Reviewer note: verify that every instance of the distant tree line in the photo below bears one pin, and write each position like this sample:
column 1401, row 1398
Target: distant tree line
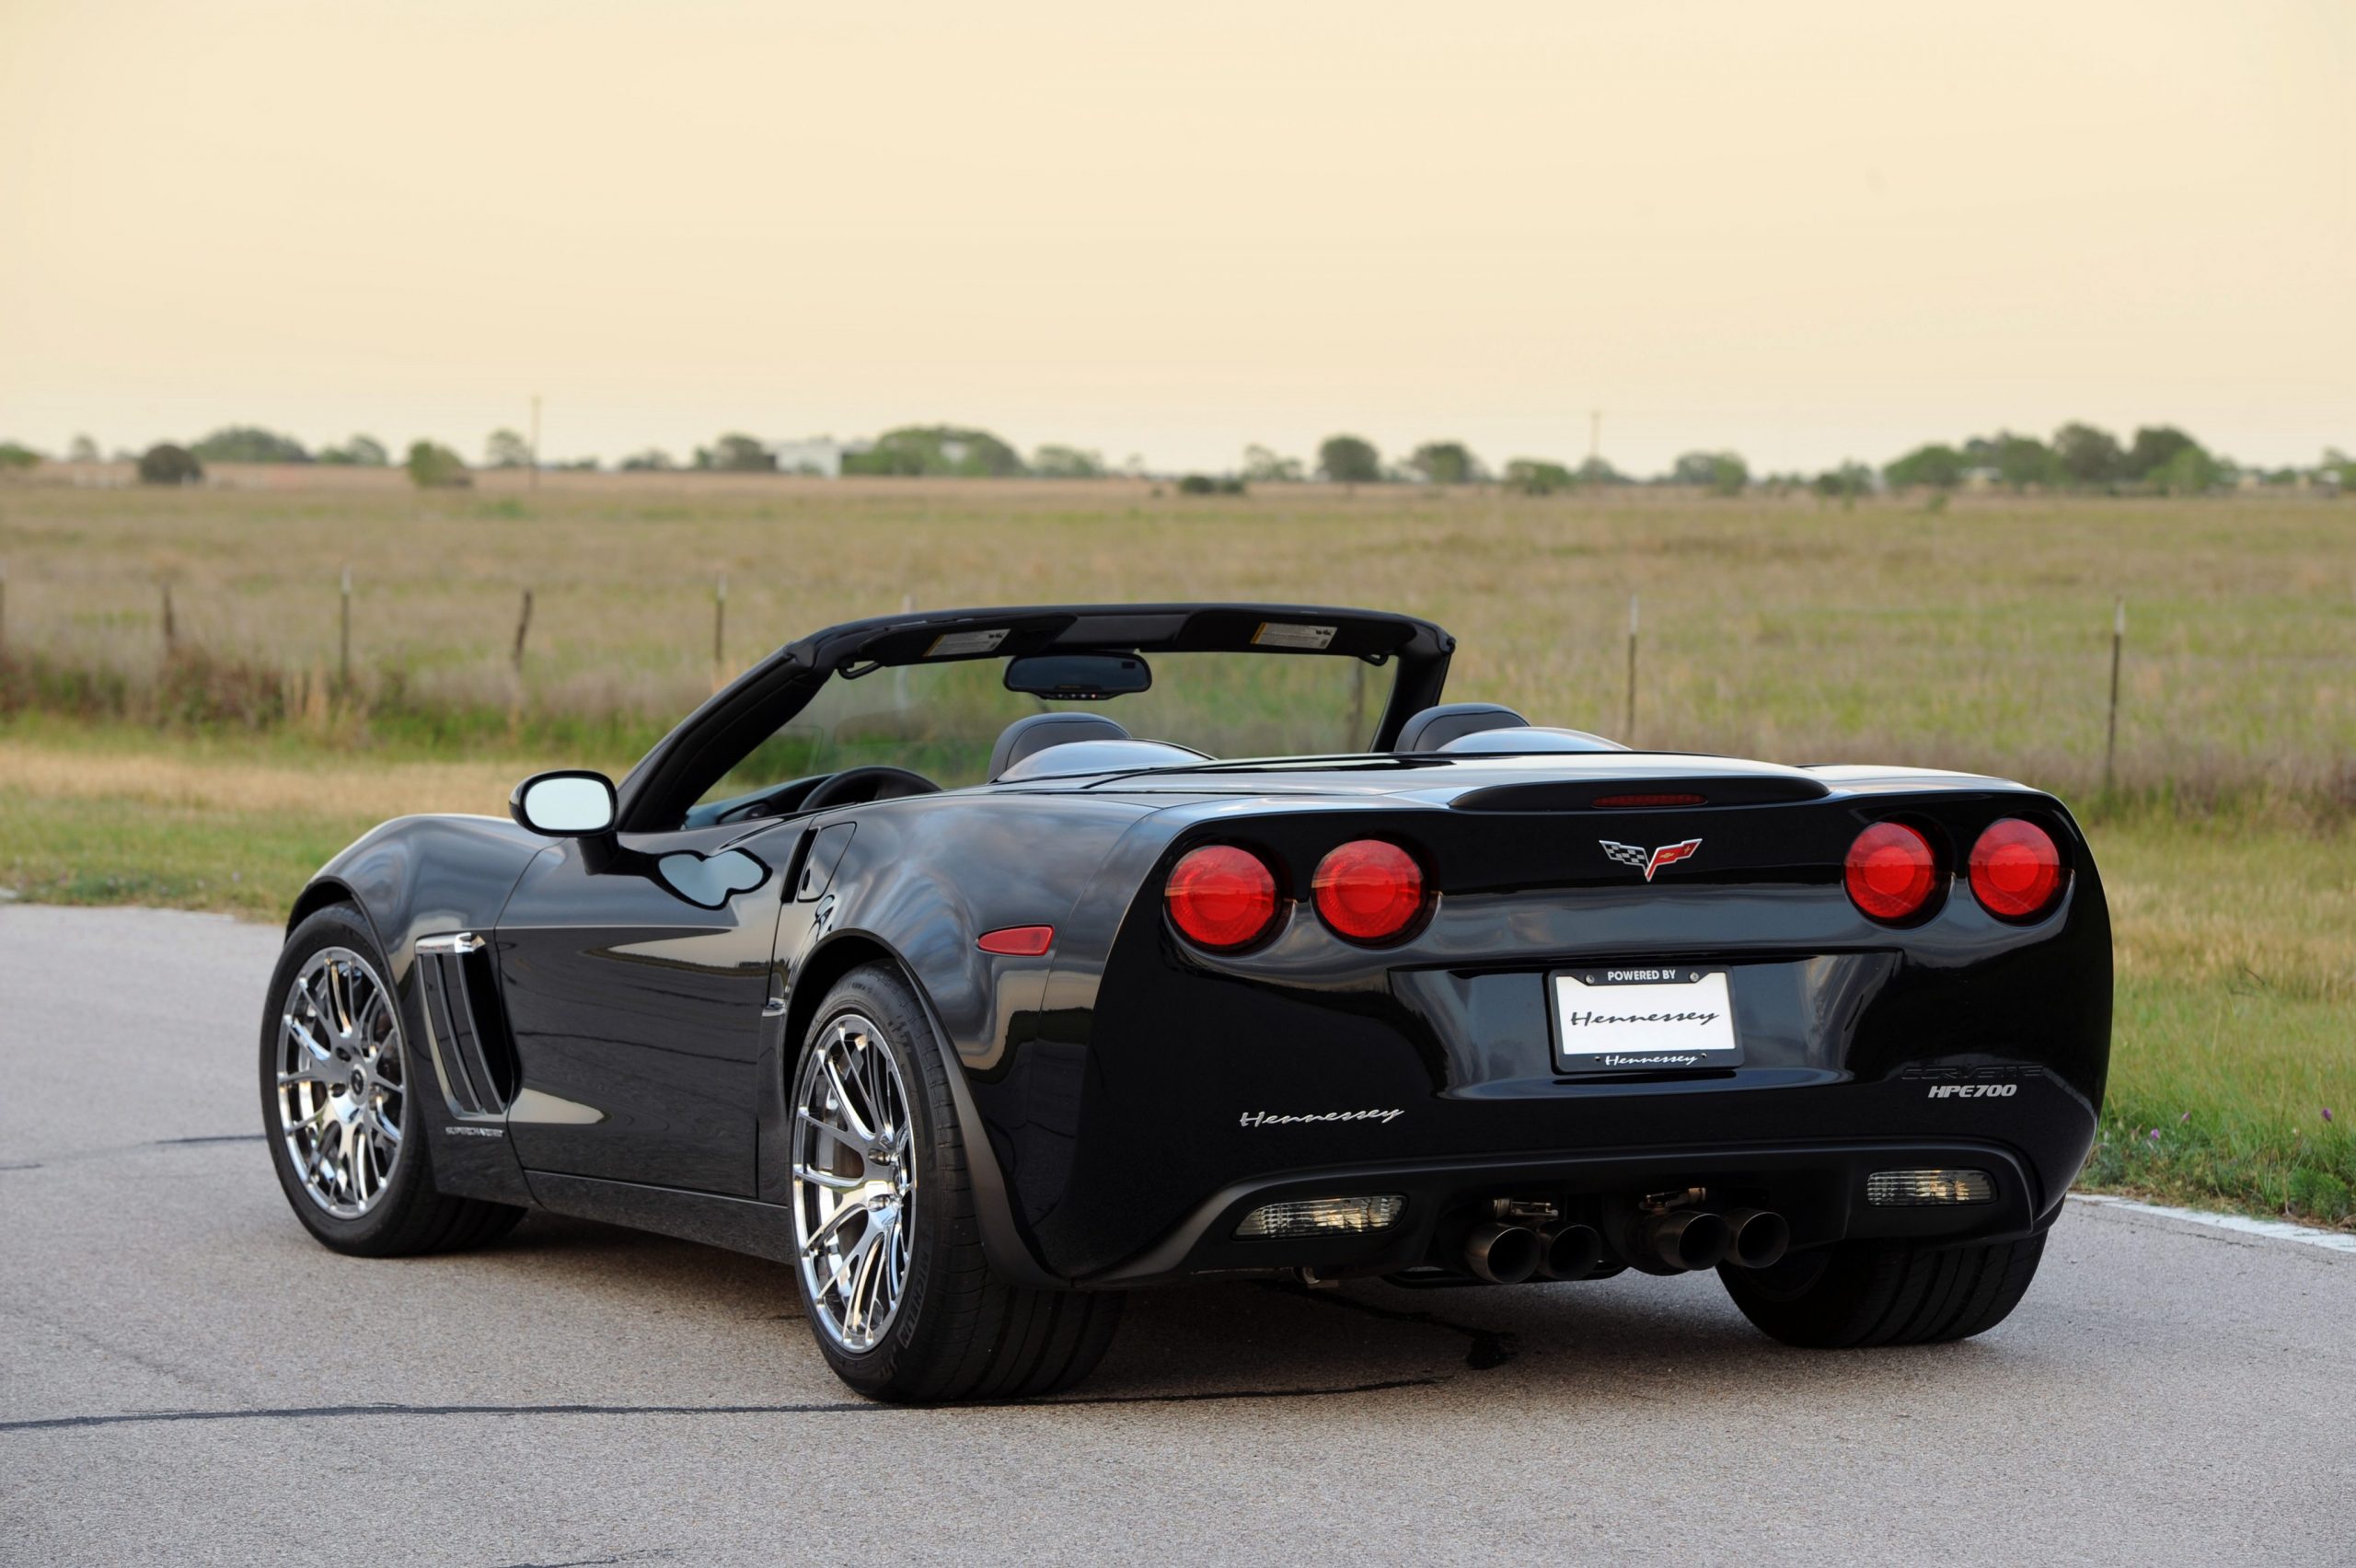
column 2159, row 459
column 2080, row 457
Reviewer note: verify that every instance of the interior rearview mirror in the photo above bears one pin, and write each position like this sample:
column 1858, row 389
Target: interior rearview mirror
column 574, row 803
column 1079, row 677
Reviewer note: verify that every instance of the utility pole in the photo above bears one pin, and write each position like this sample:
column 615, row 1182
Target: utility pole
column 1594, row 434
column 534, row 481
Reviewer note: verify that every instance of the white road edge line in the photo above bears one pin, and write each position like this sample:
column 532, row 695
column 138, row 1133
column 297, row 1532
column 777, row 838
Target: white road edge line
column 2273, row 1229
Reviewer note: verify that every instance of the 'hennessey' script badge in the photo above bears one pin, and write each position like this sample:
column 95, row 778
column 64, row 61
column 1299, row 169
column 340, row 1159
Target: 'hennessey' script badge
column 1590, row 1019
column 1649, row 861
column 1279, row 1119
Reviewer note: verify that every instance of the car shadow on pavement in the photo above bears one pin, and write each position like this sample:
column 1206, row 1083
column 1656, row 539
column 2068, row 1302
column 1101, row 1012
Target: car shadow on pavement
column 1635, row 1338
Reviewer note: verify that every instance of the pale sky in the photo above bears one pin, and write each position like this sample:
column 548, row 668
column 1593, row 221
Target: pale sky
column 1803, row 231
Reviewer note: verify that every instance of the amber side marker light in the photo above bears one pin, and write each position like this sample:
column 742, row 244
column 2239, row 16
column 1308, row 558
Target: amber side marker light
column 1018, row 941
column 1891, row 871
column 1221, row 898
column 2016, row 870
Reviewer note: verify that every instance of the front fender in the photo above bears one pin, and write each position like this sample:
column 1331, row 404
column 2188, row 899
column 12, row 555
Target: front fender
column 413, row 877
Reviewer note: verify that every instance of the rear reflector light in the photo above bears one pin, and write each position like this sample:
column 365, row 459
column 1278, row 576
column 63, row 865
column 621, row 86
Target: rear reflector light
column 1919, row 1189
column 2016, row 870
column 1323, row 1216
column 1369, row 891
column 1023, row 942
column 1890, row 871
column 1221, row 898
column 1639, row 803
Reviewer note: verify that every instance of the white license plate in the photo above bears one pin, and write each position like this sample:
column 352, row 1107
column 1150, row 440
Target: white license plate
column 1640, row 1018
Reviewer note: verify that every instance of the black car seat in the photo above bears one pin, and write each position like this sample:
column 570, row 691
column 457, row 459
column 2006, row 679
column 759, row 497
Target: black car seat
column 1434, row 727
column 1030, row 735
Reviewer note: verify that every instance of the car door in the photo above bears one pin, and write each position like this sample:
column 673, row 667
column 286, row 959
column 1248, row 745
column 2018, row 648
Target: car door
column 636, row 971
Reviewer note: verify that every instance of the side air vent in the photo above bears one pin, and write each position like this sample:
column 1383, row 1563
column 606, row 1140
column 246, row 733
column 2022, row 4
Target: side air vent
column 473, row 1055
column 1641, row 794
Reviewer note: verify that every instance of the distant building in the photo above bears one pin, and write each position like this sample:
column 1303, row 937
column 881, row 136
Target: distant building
column 817, row 455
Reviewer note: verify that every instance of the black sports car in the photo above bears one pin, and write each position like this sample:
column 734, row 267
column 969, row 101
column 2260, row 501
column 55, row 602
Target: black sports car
column 908, row 959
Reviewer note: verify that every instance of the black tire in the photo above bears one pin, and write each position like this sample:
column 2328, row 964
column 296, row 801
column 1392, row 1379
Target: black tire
column 1868, row 1293
column 408, row 1216
column 959, row 1332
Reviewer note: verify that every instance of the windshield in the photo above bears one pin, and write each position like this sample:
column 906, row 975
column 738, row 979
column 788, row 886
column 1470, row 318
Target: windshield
column 941, row 720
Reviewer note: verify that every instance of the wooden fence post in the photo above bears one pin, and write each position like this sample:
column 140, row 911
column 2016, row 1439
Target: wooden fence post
column 171, row 630
column 720, row 631
column 1628, row 730
column 522, row 627
column 343, row 636
column 2118, row 643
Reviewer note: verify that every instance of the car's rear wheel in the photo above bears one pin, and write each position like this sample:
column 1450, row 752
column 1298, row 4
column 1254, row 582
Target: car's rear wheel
column 903, row 1304
column 346, row 1131
column 1863, row 1293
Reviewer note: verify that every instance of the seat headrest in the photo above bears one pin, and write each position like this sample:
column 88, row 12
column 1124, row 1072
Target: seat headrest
column 1527, row 740
column 1030, row 735
column 1434, row 727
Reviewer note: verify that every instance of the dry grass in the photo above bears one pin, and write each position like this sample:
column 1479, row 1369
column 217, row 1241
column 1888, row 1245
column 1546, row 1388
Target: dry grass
column 368, row 792
column 1976, row 635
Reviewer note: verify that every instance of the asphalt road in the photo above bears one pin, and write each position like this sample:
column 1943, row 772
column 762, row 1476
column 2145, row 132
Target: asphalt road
column 185, row 1377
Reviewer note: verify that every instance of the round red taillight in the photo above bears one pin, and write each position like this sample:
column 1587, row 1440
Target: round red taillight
column 1369, row 891
column 1221, row 896
column 1891, row 870
column 2016, row 870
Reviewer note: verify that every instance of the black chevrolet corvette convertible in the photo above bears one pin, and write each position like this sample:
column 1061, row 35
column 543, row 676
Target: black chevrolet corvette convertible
column 956, row 960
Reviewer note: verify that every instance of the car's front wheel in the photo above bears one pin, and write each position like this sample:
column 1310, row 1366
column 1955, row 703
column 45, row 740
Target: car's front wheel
column 900, row 1299
column 342, row 1103
column 1863, row 1293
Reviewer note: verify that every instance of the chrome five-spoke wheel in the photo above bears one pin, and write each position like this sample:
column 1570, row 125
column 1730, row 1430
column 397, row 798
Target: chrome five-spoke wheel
column 340, row 1081
column 854, row 1182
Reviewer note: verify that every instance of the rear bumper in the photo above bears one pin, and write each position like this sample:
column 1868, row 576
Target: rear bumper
column 1819, row 1187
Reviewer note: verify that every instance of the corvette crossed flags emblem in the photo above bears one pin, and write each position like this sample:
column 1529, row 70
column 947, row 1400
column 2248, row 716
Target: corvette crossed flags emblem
column 1649, row 861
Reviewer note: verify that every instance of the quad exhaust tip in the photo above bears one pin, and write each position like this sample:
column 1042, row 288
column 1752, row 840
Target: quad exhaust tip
column 1502, row 1254
column 1681, row 1240
column 1756, row 1238
column 1688, row 1239
column 1569, row 1252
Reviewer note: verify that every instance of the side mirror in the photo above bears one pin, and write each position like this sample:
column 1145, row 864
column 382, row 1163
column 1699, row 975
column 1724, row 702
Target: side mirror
column 574, row 803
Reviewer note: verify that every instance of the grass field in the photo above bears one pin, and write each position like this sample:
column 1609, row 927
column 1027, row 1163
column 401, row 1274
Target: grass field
column 1976, row 635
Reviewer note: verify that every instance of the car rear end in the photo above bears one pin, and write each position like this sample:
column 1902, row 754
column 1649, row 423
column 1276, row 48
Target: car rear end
column 1507, row 1025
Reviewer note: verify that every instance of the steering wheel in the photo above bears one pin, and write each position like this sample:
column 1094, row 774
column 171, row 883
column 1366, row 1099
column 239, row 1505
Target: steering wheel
column 876, row 782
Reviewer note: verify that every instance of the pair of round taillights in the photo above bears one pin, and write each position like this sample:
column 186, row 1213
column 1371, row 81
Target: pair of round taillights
column 1224, row 897
column 2015, row 871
